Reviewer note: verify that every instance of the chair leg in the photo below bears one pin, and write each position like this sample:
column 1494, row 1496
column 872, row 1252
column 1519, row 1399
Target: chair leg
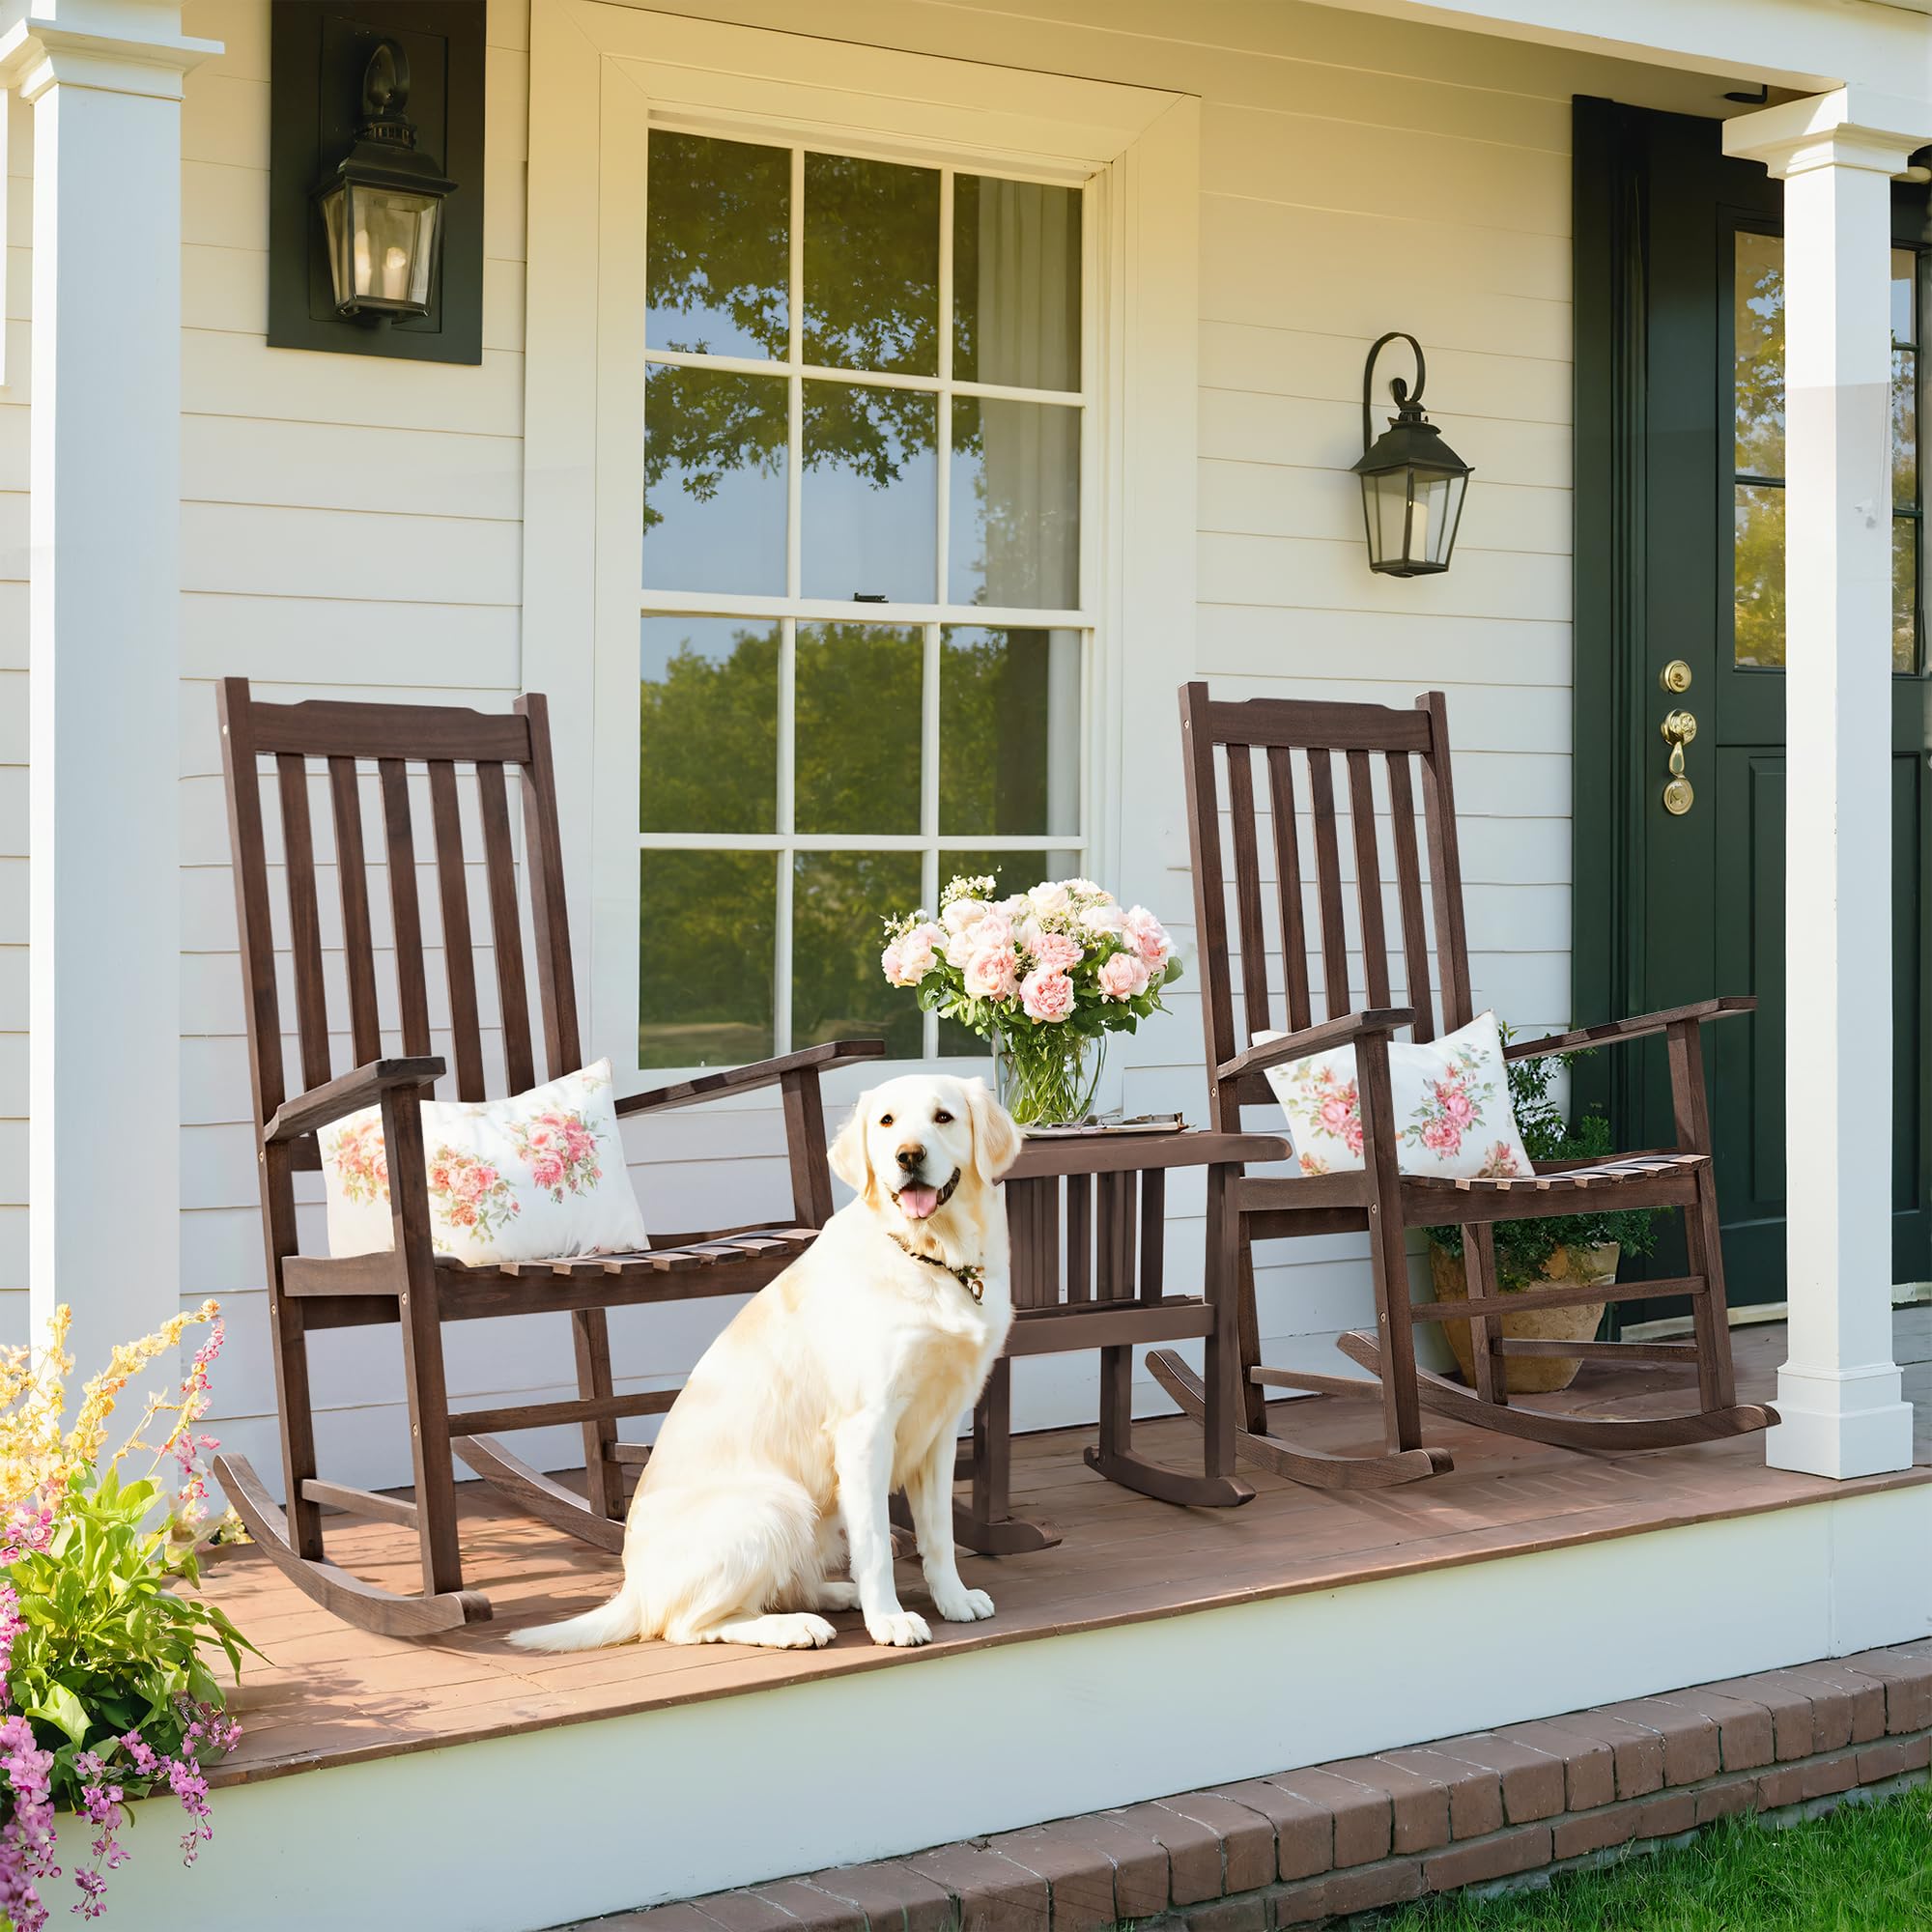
column 1248, row 1334
column 420, row 1314
column 1704, row 1241
column 298, row 1420
column 590, row 1334
column 1388, row 1251
column 1479, row 1275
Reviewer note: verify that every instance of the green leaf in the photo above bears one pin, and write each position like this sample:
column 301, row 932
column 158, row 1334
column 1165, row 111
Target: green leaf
column 59, row 1705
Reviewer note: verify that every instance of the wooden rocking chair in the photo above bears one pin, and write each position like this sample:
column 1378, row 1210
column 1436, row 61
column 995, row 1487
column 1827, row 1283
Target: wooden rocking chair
column 1233, row 736
column 413, row 1286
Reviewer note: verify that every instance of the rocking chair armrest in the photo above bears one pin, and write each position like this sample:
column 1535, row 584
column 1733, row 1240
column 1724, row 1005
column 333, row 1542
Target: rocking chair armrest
column 1341, row 1030
column 758, row 1074
column 1642, row 1027
column 363, row 1087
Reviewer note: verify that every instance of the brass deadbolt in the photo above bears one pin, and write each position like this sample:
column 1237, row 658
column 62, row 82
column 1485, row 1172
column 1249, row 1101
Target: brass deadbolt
column 1675, row 676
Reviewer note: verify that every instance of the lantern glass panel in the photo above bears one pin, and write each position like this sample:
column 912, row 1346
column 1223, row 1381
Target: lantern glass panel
column 1439, row 501
column 1385, row 498
column 392, row 245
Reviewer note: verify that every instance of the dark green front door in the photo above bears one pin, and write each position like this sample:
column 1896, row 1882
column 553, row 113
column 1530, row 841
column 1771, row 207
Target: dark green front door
column 1680, row 562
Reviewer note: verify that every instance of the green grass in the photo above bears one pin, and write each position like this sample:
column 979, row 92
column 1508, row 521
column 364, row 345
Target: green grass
column 1863, row 1866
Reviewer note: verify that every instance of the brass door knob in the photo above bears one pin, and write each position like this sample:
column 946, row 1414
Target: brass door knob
column 1678, row 729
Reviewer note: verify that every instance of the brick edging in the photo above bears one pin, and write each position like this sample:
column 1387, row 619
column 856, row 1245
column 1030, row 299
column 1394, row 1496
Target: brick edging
column 1301, row 1847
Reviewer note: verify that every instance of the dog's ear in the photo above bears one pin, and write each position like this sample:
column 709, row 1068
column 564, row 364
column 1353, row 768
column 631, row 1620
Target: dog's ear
column 849, row 1157
column 996, row 1141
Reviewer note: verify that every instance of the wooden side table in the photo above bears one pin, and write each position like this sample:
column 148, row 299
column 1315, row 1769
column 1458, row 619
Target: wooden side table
column 1087, row 1217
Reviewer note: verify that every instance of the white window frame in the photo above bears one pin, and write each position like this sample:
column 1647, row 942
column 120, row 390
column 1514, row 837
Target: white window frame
column 602, row 76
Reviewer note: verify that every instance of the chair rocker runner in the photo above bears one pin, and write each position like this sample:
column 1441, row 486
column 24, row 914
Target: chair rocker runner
column 383, row 749
column 1233, row 739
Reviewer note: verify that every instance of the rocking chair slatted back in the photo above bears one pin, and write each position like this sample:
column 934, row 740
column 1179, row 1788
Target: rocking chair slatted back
column 453, row 750
column 1391, row 914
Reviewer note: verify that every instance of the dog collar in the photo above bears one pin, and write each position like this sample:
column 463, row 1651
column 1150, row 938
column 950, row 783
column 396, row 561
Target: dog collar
column 972, row 1279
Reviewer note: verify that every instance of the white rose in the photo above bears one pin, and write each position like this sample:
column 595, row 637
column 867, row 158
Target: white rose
column 964, row 913
column 960, row 947
column 1049, row 899
column 1106, row 918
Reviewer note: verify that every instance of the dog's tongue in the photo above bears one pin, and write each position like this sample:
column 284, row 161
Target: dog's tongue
column 918, row 1200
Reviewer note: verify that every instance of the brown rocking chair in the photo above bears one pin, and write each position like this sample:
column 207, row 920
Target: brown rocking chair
column 413, row 1286
column 1233, row 736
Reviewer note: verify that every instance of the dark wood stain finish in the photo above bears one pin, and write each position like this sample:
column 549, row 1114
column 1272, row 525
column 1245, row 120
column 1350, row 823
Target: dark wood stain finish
column 411, row 1287
column 1379, row 1199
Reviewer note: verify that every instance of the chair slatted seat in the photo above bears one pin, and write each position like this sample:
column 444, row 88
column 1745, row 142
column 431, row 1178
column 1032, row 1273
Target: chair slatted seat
column 384, row 763
column 1304, row 761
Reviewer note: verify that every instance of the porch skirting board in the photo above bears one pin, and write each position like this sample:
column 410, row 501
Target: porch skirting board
column 1306, row 1847
column 545, row 1826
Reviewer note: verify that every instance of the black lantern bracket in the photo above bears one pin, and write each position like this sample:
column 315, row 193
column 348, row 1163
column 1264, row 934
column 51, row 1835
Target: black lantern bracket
column 1407, row 404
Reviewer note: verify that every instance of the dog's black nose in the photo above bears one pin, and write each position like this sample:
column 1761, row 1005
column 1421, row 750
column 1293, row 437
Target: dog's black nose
column 911, row 1157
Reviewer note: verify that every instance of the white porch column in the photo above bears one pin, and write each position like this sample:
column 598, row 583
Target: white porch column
column 1838, row 1393
column 104, row 80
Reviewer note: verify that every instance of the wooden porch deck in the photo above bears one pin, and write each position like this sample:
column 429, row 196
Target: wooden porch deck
column 330, row 1695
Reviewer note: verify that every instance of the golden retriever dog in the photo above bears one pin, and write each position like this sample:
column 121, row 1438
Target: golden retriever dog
column 840, row 1383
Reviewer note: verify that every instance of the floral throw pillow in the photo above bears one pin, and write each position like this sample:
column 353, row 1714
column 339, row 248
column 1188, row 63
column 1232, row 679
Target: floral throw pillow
column 1452, row 1107
column 538, row 1177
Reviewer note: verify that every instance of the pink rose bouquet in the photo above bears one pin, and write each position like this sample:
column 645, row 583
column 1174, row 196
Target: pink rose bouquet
column 1043, row 974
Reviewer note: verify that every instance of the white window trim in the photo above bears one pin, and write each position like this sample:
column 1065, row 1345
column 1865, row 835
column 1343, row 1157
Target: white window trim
column 599, row 75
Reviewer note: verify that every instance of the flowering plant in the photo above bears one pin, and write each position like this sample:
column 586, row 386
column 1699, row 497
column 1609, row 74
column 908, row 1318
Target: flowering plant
column 104, row 1693
column 1042, row 973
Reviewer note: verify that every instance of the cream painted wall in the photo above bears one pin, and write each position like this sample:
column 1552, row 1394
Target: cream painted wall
column 1357, row 175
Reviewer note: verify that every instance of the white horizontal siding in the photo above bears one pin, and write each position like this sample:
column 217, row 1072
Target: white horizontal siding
column 350, row 528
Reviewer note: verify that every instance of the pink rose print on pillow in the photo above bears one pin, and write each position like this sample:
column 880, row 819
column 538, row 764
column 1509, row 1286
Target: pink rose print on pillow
column 561, row 1150
column 469, row 1194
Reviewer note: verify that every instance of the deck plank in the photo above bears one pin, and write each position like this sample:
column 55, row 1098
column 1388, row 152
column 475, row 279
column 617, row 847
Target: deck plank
column 328, row 1693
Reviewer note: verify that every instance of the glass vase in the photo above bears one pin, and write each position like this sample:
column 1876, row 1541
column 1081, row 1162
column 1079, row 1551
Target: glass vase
column 1047, row 1076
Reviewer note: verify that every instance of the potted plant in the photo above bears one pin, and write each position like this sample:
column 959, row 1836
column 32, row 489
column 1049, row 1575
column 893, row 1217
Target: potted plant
column 1555, row 1248
column 1043, row 975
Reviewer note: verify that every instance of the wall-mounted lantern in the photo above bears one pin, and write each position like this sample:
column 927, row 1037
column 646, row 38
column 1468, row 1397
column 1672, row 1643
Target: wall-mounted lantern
column 1412, row 482
column 375, row 178
column 382, row 204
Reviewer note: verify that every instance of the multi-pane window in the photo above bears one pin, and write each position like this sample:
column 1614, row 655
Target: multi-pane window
column 863, row 663
column 1758, row 466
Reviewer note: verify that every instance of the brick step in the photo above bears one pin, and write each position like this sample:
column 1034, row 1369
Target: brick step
column 1303, row 1846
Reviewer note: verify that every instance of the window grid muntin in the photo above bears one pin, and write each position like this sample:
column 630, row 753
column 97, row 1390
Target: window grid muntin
column 793, row 609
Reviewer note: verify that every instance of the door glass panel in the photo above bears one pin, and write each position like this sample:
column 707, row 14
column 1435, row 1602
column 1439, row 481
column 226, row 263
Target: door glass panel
column 871, row 266
column 713, row 481
column 1905, row 594
column 1015, row 283
column 1758, row 576
column 717, row 252
column 869, row 500
column 858, row 717
column 1013, row 511
column 706, row 927
column 1759, row 455
column 1758, row 352
column 1008, row 735
column 708, row 726
column 837, row 987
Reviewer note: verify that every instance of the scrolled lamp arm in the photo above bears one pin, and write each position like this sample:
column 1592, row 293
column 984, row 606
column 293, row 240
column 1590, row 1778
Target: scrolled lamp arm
column 1406, row 399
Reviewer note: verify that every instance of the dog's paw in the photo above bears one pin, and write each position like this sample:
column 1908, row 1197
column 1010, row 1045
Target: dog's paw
column 962, row 1606
column 835, row 1594
column 902, row 1629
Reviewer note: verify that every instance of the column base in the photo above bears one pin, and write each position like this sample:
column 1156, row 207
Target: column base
column 1840, row 1424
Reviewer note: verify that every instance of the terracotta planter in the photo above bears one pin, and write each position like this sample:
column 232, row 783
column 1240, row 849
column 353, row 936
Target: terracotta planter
column 1531, row 1375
